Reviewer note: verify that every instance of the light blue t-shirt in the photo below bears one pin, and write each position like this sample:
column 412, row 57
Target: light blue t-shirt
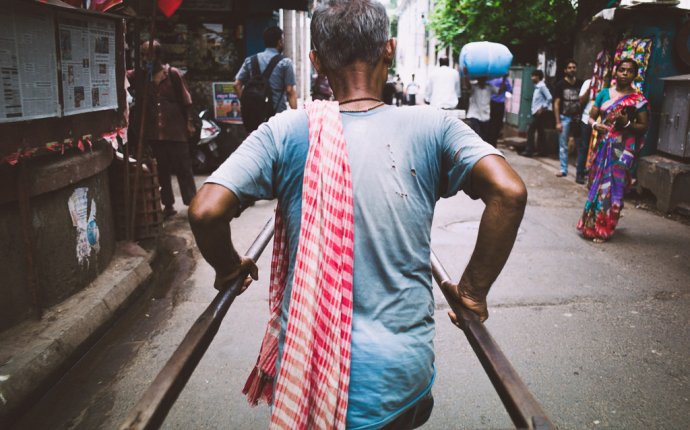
column 541, row 97
column 402, row 161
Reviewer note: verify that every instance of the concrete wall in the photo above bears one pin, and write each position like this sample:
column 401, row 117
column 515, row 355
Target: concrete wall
column 65, row 259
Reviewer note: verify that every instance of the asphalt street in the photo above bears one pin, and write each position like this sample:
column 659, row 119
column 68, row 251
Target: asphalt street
column 599, row 332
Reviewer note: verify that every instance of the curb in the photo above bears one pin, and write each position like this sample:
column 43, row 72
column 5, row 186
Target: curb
column 35, row 352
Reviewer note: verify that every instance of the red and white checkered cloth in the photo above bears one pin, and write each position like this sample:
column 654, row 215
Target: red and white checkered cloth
column 312, row 385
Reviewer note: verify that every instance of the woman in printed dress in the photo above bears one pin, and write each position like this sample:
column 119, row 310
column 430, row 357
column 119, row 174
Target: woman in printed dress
column 624, row 120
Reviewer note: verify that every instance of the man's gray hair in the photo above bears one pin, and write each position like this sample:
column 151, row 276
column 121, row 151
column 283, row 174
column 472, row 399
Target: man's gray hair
column 344, row 31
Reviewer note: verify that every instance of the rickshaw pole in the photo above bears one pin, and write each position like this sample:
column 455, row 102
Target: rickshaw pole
column 158, row 399
column 522, row 407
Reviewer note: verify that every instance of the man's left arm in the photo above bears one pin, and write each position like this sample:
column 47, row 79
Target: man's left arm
column 186, row 98
column 290, row 84
column 291, row 92
column 505, row 197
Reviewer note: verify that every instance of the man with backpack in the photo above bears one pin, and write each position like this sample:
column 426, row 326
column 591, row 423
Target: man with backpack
column 266, row 81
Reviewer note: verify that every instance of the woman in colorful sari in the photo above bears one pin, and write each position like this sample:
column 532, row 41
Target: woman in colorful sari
column 624, row 120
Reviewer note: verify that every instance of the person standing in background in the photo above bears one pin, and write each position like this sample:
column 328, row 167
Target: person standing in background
column 443, row 86
column 567, row 109
column 586, row 132
column 620, row 115
column 412, row 89
column 541, row 108
column 498, row 108
column 399, row 89
column 169, row 124
column 479, row 109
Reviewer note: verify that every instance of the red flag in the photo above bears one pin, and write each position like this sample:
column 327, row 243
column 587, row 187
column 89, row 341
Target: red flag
column 168, row 7
column 103, row 5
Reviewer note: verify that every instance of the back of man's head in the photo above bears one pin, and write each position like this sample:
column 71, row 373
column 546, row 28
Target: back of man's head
column 443, row 61
column 272, row 36
column 538, row 74
column 344, row 32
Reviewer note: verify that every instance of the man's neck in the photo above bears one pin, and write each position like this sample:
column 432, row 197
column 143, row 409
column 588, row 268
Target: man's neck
column 358, row 80
column 570, row 79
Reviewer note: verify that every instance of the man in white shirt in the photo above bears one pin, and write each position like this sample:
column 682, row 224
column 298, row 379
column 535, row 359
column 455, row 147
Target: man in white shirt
column 479, row 109
column 443, row 87
column 412, row 89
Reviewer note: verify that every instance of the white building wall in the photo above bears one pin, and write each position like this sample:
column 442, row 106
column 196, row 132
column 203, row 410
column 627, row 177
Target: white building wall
column 416, row 52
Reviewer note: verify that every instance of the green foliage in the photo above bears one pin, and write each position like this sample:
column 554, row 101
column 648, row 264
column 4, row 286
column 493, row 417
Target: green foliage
column 511, row 22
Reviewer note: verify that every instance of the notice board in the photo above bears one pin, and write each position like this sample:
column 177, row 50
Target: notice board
column 62, row 76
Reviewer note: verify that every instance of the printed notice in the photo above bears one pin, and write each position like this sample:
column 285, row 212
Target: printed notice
column 28, row 67
column 87, row 54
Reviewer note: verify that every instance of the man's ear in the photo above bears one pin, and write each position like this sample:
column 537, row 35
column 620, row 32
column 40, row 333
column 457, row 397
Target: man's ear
column 389, row 51
column 314, row 57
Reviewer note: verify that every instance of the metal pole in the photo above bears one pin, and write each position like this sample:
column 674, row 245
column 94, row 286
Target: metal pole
column 142, row 125
column 522, row 407
column 156, row 402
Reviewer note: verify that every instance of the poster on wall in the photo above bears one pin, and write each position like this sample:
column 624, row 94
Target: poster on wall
column 87, row 55
column 28, row 67
column 226, row 104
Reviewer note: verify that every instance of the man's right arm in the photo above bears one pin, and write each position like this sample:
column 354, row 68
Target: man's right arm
column 505, row 196
column 557, row 110
column 209, row 216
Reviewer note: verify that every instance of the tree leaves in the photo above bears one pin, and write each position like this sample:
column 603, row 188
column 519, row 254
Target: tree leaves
column 511, row 22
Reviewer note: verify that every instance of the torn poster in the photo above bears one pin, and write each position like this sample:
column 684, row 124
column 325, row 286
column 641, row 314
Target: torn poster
column 85, row 222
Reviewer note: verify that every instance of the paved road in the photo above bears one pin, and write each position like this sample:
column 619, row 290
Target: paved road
column 600, row 332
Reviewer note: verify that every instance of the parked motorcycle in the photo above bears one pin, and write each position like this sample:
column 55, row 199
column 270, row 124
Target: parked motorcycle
column 206, row 154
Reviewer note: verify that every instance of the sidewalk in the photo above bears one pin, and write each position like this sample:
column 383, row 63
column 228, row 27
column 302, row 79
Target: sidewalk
column 35, row 353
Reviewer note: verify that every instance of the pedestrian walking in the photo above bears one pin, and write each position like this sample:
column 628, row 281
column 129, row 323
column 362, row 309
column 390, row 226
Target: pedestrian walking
column 412, row 89
column 266, row 82
column 586, row 129
column 541, row 112
column 624, row 115
column 169, row 123
column 388, row 92
column 479, row 108
column 356, row 183
column 399, row 89
column 443, row 86
column 567, row 109
column 498, row 107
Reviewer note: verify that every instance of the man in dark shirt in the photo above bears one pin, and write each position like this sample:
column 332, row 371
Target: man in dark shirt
column 169, row 124
column 567, row 108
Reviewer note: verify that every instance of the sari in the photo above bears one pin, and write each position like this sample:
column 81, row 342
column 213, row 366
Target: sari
column 609, row 175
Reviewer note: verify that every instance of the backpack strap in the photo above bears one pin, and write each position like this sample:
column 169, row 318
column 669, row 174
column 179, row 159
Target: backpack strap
column 271, row 65
column 254, row 66
column 267, row 74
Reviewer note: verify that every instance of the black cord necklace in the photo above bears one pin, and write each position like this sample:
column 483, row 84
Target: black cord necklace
column 373, row 99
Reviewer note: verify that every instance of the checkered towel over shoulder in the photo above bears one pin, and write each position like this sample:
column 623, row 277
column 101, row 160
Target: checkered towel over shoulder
column 312, row 385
